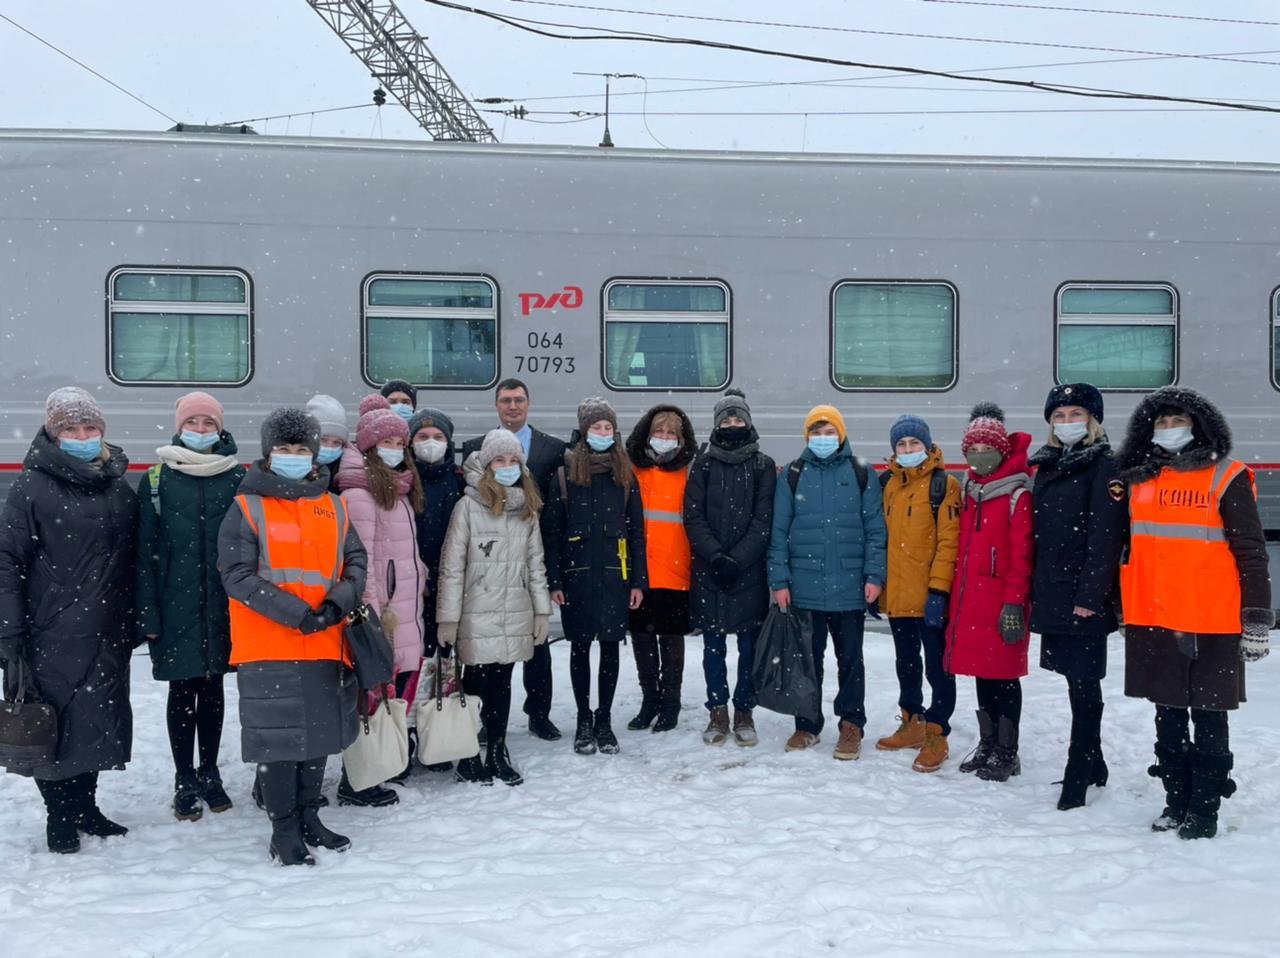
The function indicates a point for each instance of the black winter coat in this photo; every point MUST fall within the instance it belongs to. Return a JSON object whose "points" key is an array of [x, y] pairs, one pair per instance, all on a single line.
{"points": [[728, 507], [1081, 523], [581, 538], [180, 595], [442, 486], [66, 591]]}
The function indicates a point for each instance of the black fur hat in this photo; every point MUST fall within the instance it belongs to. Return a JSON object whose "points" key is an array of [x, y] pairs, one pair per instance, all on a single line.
{"points": [[638, 441], [1138, 460], [287, 427], [1084, 395]]}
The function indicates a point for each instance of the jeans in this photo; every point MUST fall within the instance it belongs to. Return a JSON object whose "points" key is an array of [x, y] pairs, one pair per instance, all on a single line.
{"points": [[846, 637], [909, 634], [715, 669]]}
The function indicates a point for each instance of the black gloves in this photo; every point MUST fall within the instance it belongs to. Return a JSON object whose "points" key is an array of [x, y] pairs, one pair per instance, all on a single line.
{"points": [[726, 570], [326, 617], [935, 609], [1013, 624]]}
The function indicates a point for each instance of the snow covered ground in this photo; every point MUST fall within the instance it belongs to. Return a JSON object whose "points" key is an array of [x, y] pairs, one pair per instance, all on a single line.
{"points": [[674, 848]]}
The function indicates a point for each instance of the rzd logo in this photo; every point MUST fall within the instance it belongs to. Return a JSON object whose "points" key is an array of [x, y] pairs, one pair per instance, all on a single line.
{"points": [[570, 298]]}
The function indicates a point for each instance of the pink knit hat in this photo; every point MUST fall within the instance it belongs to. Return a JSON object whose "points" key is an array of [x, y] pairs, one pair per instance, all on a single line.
{"points": [[377, 425], [373, 401], [198, 404]]}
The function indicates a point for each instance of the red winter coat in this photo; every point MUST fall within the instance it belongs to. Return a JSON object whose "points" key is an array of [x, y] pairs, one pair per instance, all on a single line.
{"points": [[993, 569]]}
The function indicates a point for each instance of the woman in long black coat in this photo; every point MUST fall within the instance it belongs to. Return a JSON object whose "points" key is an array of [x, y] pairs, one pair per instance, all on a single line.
{"points": [[728, 515], [67, 606], [1080, 526]]}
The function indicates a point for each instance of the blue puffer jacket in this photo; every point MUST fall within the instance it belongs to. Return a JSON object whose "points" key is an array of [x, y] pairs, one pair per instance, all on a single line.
{"points": [[829, 538]]}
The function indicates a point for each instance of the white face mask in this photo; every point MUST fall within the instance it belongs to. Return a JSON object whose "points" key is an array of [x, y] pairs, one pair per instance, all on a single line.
{"points": [[664, 446], [392, 457], [1172, 440], [430, 451], [1070, 433]]}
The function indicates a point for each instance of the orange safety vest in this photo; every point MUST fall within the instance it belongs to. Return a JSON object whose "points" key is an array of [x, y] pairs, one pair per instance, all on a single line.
{"points": [[300, 551], [1181, 574], [666, 545]]}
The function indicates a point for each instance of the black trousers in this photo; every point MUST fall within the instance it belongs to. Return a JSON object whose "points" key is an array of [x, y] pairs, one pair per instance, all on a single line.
{"points": [[1000, 698], [580, 674], [493, 684], [537, 682], [659, 666], [1212, 729], [194, 715]]}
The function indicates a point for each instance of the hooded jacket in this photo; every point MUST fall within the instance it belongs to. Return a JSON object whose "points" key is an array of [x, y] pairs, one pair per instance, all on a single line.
{"points": [[662, 486], [922, 547]]}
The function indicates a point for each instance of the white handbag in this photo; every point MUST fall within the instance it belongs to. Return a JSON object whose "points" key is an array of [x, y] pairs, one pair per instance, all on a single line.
{"points": [[381, 748], [448, 726]]}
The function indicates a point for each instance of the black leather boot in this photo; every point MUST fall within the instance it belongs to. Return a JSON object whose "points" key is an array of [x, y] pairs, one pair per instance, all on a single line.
{"points": [[1085, 766], [584, 737], [649, 710], [279, 782], [986, 742], [1003, 762], [606, 741], [92, 821], [375, 796], [61, 817], [186, 797], [314, 832], [211, 790], [473, 770], [498, 762]]}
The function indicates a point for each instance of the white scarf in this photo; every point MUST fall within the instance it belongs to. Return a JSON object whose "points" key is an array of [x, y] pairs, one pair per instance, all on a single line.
{"points": [[195, 463]]}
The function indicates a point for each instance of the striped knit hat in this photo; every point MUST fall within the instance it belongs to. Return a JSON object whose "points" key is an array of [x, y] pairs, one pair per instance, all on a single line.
{"points": [[986, 426]]}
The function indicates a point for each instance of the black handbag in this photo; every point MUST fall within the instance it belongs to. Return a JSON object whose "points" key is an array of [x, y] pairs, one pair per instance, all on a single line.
{"points": [[28, 729], [371, 650]]}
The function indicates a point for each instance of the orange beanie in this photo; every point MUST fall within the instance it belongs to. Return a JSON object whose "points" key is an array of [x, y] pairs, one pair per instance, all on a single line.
{"points": [[825, 414]]}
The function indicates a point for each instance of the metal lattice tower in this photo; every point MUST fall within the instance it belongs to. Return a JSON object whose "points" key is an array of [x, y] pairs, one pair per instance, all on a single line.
{"points": [[397, 56]]}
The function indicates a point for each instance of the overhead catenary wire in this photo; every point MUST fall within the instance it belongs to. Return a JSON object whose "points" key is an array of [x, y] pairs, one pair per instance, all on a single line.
{"points": [[296, 113], [588, 114], [80, 63], [1092, 92], [1115, 13]]}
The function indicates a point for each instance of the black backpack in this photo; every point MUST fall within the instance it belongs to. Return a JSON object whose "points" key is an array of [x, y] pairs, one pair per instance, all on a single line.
{"points": [[860, 469], [937, 488]]}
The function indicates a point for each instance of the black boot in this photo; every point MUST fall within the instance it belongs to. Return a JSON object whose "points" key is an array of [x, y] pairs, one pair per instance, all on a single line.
{"points": [[584, 737], [541, 726], [986, 742], [1085, 766], [649, 710], [61, 817], [668, 718], [498, 762], [404, 774], [1210, 784], [186, 797], [672, 670], [473, 770], [375, 796], [280, 793], [92, 821], [645, 650], [606, 741], [1173, 768], [314, 832], [211, 790], [1003, 762]]}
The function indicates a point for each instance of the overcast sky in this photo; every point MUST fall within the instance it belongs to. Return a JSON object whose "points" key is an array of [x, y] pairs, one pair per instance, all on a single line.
{"points": [[236, 59]]}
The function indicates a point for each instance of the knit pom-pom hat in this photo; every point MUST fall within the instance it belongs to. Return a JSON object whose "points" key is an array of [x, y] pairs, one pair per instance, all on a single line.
{"points": [[373, 401], [986, 426], [734, 403], [377, 425]]}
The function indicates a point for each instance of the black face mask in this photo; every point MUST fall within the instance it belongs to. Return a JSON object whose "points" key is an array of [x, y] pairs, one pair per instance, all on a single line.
{"points": [[732, 437]]}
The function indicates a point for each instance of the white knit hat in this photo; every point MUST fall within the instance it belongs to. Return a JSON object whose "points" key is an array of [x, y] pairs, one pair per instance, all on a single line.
{"points": [[499, 442], [331, 416]]}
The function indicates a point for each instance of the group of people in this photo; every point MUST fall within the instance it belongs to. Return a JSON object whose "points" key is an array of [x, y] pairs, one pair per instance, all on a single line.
{"points": [[216, 567]]}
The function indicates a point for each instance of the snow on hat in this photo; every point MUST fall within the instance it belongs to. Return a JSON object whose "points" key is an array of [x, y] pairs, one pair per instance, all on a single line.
{"points": [[826, 414], [1084, 395], [197, 404], [70, 406], [400, 386], [331, 416], [734, 403], [592, 410], [909, 425], [377, 425], [430, 416], [499, 442], [986, 426], [373, 401], [287, 427]]}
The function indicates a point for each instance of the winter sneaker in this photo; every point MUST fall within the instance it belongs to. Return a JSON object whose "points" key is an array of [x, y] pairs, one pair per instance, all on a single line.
{"points": [[910, 734], [287, 846], [849, 746], [606, 741], [211, 790], [801, 740], [644, 718], [717, 732], [934, 751], [584, 737], [668, 718], [744, 728], [373, 797], [473, 770], [979, 757], [540, 726], [1003, 762], [186, 797], [498, 763]]}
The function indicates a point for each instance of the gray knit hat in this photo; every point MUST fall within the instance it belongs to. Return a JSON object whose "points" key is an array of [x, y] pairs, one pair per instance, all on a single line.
{"points": [[70, 406], [287, 427], [499, 442], [594, 409], [734, 403], [430, 416], [331, 416]]}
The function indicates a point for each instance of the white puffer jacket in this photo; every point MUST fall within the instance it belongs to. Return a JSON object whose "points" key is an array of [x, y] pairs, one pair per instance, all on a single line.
{"points": [[492, 579]]}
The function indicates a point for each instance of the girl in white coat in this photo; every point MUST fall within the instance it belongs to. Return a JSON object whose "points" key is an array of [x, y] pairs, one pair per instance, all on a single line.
{"points": [[492, 598]]}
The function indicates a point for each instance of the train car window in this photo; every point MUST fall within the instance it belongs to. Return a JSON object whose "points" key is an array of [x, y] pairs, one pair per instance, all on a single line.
{"points": [[179, 327], [666, 334], [1117, 336], [430, 330], [893, 335]]}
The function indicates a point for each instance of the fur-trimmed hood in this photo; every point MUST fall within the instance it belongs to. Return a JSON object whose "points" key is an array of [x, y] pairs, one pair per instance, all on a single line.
{"points": [[1141, 459], [638, 441]]}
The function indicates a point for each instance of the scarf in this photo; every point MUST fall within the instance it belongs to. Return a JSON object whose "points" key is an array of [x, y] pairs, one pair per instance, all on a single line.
{"points": [[192, 463]]}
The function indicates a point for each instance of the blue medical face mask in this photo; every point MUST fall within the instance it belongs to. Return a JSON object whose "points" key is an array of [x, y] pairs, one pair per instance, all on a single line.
{"points": [[507, 475], [823, 446], [82, 449], [1070, 433], [392, 457], [290, 466], [199, 441], [403, 410], [328, 455], [599, 443], [909, 460]]}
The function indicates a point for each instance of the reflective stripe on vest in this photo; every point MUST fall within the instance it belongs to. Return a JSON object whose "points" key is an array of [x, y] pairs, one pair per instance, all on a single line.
{"points": [[658, 515], [1180, 574], [667, 554]]}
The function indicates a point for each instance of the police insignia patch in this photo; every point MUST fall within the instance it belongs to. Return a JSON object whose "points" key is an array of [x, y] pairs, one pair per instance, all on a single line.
{"points": [[1116, 489]]}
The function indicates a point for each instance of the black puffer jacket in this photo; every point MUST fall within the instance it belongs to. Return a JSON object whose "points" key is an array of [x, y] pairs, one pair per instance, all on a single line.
{"points": [[728, 507], [1081, 523], [66, 591], [442, 486]]}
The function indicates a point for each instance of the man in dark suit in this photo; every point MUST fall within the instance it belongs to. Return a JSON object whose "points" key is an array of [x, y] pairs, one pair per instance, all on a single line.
{"points": [[544, 455]]}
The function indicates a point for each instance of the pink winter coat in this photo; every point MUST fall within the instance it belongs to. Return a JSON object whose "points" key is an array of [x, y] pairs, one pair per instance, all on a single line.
{"points": [[390, 537], [993, 569]]}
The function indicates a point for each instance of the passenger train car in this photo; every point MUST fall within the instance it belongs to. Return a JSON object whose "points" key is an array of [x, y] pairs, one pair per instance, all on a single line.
{"points": [[265, 269]]}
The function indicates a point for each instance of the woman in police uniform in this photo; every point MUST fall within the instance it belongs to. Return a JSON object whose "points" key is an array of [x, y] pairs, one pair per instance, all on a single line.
{"points": [[1196, 595]]}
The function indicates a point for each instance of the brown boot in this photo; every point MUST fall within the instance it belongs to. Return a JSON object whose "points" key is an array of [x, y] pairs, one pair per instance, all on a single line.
{"points": [[910, 734], [849, 747], [934, 751], [744, 728], [800, 741], [717, 732]]}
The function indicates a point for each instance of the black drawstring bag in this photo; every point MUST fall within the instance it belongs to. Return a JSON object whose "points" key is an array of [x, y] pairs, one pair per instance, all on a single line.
{"points": [[782, 669], [371, 651], [28, 728]]}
